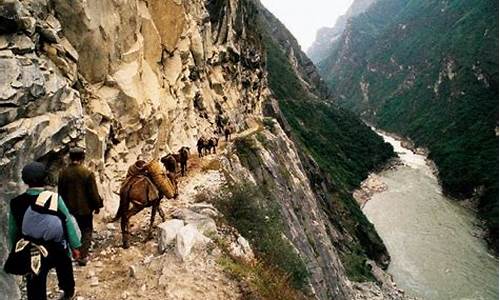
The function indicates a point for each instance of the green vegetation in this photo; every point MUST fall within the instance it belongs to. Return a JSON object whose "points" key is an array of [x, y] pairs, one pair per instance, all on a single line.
{"points": [[432, 70], [342, 146], [256, 215], [263, 282]]}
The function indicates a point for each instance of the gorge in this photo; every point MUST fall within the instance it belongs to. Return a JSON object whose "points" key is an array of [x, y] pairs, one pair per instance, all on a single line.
{"points": [[272, 212], [428, 71]]}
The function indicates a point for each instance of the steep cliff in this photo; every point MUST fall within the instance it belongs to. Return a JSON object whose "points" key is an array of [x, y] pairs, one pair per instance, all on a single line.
{"points": [[327, 37], [137, 79], [429, 71]]}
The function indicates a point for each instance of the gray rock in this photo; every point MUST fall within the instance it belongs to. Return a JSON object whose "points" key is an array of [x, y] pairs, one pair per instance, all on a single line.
{"points": [[6, 54], [70, 50], [241, 249], [204, 224], [48, 34], [205, 209], [27, 24], [53, 23], [187, 238], [20, 44], [94, 281], [4, 43], [9, 72], [167, 233]]}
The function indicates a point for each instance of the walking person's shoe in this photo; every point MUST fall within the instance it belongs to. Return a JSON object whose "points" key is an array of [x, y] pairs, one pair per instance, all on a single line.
{"points": [[65, 296]]}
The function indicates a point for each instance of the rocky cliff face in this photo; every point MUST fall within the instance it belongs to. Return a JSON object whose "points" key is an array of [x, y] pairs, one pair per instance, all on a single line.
{"points": [[304, 68], [270, 160], [327, 37], [428, 71], [306, 200]]}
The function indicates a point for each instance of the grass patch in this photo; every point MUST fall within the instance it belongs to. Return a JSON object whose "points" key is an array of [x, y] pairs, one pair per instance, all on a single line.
{"points": [[212, 165], [263, 282], [255, 214]]}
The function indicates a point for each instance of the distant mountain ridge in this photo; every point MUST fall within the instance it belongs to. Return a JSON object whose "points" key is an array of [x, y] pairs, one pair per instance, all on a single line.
{"points": [[326, 36]]}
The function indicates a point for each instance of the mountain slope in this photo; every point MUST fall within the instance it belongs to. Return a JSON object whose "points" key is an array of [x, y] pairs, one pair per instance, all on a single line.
{"points": [[429, 71], [343, 147]]}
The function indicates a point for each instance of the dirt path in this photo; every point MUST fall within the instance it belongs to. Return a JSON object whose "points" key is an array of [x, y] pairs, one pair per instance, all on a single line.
{"points": [[140, 272]]}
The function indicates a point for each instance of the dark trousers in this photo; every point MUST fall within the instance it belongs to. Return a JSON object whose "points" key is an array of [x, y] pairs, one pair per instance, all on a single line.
{"points": [[58, 258], [85, 223]]}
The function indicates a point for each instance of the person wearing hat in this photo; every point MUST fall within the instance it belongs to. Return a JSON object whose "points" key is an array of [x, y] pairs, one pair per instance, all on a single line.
{"points": [[78, 188], [39, 218]]}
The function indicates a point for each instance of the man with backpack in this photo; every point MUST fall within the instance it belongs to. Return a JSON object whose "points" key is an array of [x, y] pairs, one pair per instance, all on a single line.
{"points": [[40, 224], [78, 188]]}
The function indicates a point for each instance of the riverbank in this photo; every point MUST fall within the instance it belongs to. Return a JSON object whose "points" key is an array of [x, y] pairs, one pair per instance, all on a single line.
{"points": [[373, 185], [436, 252]]}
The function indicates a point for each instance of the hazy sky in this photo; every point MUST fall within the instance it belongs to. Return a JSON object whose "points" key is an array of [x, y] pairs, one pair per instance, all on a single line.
{"points": [[304, 18]]}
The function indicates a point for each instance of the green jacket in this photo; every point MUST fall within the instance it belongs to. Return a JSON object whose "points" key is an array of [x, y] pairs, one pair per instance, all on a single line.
{"points": [[78, 188], [14, 232]]}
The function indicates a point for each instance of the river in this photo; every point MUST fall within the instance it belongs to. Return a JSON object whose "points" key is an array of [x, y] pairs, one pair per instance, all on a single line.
{"points": [[434, 252]]}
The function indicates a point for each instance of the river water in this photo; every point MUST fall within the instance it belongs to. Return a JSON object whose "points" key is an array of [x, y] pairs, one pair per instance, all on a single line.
{"points": [[434, 252]]}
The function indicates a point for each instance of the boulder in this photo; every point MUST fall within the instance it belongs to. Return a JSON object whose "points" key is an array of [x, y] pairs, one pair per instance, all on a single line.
{"points": [[47, 33], [69, 49], [167, 233], [204, 224], [187, 238], [21, 44], [27, 24], [196, 48], [241, 249], [152, 40]]}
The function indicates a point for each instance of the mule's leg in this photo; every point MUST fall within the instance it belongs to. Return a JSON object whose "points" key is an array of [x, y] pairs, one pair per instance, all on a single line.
{"points": [[161, 213], [125, 224], [125, 231], [154, 208]]}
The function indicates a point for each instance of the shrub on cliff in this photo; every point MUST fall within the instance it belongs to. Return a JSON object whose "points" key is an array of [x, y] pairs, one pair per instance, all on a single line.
{"points": [[256, 216]]}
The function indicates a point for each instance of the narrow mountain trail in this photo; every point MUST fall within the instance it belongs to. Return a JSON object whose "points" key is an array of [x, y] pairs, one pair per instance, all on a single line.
{"points": [[141, 272]]}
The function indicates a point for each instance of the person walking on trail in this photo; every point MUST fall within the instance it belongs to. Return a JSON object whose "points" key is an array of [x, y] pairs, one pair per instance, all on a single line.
{"points": [[78, 188], [39, 219], [227, 131]]}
